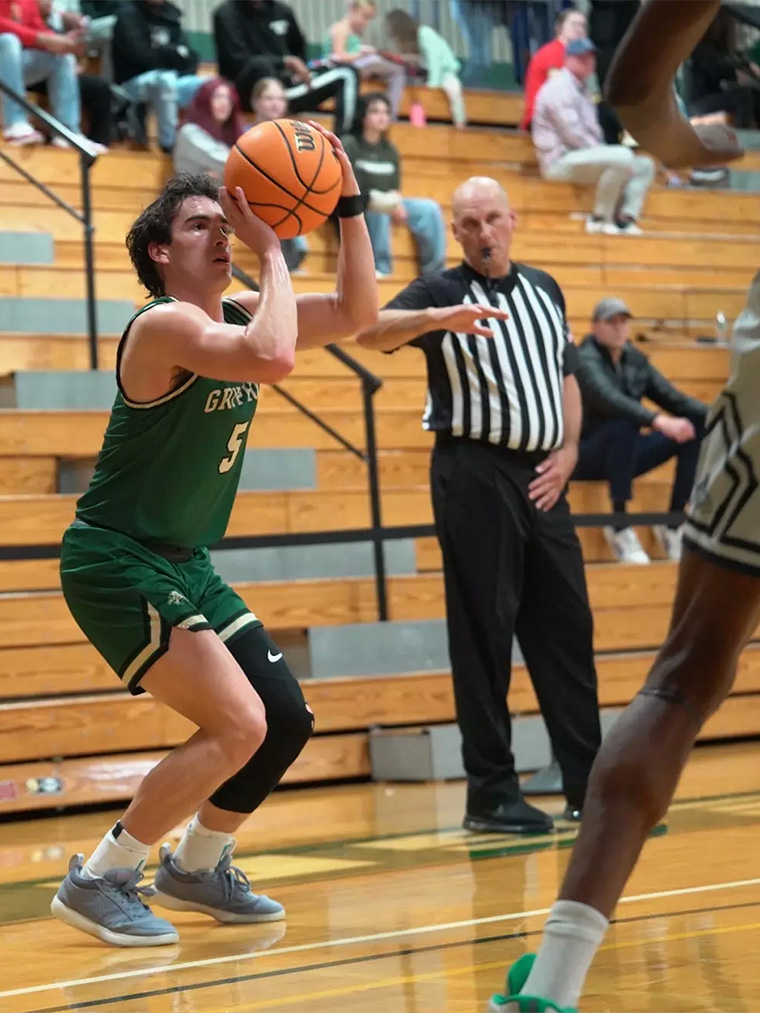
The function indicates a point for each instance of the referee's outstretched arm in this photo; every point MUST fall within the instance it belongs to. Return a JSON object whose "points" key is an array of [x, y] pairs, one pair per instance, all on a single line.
{"points": [[395, 328]]}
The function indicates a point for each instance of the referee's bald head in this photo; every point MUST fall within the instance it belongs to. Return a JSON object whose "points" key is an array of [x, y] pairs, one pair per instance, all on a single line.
{"points": [[478, 188], [483, 224]]}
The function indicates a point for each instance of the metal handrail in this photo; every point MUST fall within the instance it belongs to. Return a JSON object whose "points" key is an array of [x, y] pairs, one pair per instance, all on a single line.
{"points": [[87, 158], [370, 386]]}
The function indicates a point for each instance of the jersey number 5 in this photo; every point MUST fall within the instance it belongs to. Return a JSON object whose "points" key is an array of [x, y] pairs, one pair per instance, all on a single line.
{"points": [[234, 443]]}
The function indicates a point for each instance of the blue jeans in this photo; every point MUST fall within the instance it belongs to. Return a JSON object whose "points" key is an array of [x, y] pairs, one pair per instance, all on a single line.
{"points": [[618, 452], [426, 225], [475, 22], [167, 92], [20, 68]]}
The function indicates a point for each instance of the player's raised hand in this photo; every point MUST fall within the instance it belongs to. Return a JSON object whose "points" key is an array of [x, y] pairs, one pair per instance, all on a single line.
{"points": [[464, 319], [350, 187], [250, 229]]}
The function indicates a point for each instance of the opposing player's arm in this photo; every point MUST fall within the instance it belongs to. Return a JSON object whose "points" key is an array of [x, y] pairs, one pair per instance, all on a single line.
{"points": [[640, 84]]}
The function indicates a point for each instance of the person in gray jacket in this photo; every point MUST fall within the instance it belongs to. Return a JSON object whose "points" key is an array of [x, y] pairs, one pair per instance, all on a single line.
{"points": [[613, 377]]}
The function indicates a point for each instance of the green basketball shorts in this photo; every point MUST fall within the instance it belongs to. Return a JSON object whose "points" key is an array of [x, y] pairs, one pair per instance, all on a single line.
{"points": [[126, 598]]}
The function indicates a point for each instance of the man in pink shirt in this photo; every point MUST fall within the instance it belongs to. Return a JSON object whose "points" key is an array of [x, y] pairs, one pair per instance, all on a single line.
{"points": [[30, 52], [570, 146], [571, 24]]}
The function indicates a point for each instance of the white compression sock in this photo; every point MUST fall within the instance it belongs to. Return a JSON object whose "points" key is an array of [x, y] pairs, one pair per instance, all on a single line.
{"points": [[117, 850], [201, 848], [572, 935]]}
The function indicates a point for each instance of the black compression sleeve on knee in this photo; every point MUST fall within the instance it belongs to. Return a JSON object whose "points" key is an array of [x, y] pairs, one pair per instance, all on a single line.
{"points": [[674, 696], [289, 724]]}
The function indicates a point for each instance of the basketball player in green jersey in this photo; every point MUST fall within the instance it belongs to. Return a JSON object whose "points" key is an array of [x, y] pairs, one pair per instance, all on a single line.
{"points": [[717, 603], [135, 569]]}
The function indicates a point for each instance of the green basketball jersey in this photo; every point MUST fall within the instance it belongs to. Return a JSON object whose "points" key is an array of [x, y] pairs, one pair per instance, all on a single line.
{"points": [[169, 469]]}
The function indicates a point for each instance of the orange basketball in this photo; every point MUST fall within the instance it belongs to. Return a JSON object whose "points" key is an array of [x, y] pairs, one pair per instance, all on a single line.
{"points": [[288, 172]]}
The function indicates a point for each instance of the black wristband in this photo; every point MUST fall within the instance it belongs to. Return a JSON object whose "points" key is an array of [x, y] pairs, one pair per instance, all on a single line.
{"points": [[350, 207]]}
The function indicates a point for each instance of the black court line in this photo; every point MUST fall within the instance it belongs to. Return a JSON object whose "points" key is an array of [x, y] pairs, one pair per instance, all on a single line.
{"points": [[369, 958]]}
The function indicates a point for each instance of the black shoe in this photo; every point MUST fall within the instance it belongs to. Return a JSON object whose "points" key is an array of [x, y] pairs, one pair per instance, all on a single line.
{"points": [[509, 818]]}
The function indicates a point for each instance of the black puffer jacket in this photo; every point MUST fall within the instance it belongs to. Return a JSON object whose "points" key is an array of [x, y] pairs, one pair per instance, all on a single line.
{"points": [[612, 391]]}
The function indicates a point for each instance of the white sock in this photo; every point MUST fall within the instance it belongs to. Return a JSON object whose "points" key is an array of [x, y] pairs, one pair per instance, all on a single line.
{"points": [[117, 850], [572, 935], [201, 848]]}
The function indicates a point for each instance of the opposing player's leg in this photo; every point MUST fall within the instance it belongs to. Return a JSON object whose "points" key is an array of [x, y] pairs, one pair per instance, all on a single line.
{"points": [[635, 776], [199, 875], [198, 678]]}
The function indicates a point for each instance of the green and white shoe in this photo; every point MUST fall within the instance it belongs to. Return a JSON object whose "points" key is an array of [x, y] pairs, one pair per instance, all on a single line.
{"points": [[517, 975]]}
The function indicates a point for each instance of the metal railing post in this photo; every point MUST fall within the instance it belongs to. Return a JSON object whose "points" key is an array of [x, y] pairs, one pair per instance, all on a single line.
{"points": [[378, 542], [89, 262]]}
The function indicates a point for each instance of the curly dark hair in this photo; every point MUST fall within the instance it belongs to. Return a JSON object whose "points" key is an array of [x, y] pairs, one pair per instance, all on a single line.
{"points": [[155, 223]]}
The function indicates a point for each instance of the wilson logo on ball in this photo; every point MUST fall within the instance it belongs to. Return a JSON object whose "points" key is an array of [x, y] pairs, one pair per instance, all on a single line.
{"points": [[289, 175], [304, 138]]}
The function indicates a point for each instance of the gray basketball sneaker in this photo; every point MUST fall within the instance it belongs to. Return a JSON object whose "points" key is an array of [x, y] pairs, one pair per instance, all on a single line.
{"points": [[223, 892], [110, 908]]}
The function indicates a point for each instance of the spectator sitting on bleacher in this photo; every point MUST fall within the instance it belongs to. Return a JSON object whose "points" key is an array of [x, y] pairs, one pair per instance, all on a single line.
{"points": [[718, 79], [550, 58], [30, 53], [261, 38], [378, 172], [155, 66], [211, 126], [270, 102], [614, 376], [422, 46], [570, 146], [345, 45], [213, 123], [97, 98]]}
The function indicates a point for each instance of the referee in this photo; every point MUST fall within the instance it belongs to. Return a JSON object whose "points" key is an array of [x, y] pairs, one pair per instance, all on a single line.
{"points": [[506, 412]]}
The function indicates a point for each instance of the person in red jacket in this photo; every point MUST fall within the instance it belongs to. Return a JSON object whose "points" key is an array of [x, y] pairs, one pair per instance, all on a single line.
{"points": [[30, 52], [571, 24]]}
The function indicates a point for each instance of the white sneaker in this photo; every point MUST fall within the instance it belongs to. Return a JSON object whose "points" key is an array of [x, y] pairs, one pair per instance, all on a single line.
{"points": [[63, 144], [22, 134], [631, 229], [595, 226], [626, 546], [670, 540]]}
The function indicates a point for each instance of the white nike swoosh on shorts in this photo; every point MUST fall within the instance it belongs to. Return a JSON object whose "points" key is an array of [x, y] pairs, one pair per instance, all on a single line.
{"points": [[273, 657]]}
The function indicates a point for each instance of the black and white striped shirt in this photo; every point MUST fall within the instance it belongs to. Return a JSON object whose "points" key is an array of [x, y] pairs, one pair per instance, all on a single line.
{"points": [[505, 390]]}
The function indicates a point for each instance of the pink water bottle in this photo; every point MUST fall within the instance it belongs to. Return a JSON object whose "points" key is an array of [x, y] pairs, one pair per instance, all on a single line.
{"points": [[417, 116]]}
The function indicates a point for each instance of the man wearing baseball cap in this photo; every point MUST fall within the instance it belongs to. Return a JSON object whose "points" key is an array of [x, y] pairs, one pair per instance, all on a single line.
{"points": [[613, 377], [570, 146]]}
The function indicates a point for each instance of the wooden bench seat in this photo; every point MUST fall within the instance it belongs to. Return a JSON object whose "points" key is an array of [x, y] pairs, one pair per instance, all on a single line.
{"points": [[675, 302], [84, 734], [41, 520], [631, 610]]}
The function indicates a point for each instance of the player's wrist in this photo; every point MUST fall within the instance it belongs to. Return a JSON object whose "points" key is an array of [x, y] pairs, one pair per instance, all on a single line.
{"points": [[350, 206]]}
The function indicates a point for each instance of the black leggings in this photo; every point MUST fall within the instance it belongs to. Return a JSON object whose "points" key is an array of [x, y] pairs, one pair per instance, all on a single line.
{"points": [[289, 723]]}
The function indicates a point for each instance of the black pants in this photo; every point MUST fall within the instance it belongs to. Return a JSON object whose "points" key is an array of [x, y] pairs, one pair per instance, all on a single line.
{"points": [[512, 570], [741, 101], [618, 452], [97, 103], [340, 83]]}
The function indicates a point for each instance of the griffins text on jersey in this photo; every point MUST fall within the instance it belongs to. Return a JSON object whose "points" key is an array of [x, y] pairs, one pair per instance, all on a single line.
{"points": [[226, 398]]}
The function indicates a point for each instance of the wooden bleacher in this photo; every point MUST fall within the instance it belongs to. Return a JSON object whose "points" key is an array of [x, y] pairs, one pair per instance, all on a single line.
{"points": [[61, 710]]}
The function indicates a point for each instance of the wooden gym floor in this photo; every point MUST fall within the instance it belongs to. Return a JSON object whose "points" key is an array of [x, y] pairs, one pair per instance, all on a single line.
{"points": [[393, 909]]}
